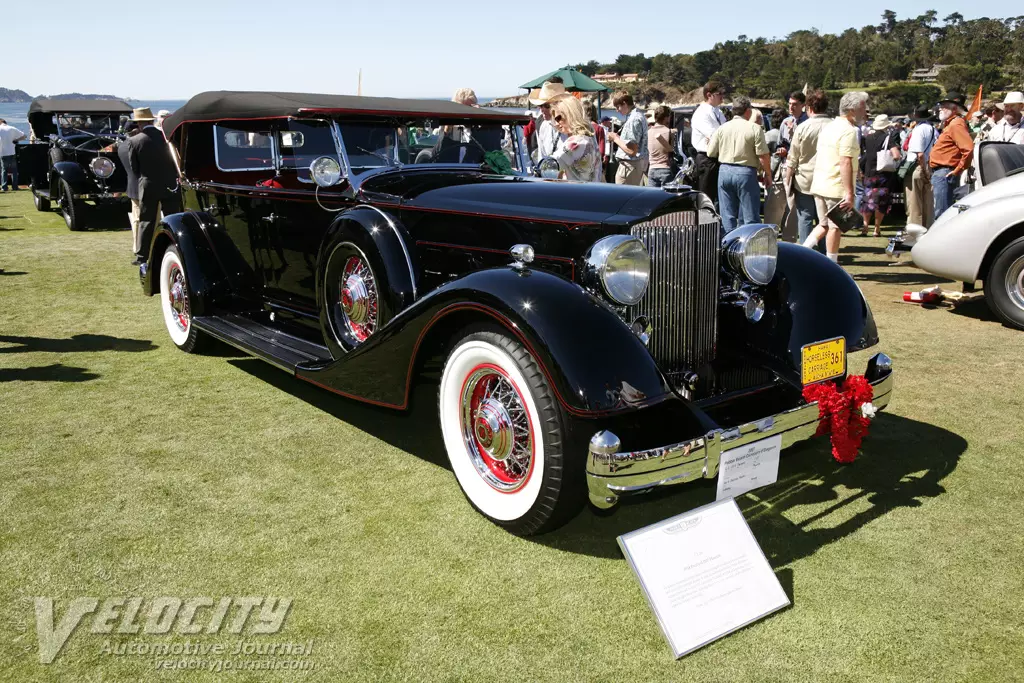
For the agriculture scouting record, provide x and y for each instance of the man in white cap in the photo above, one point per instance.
(160, 116)
(1009, 129)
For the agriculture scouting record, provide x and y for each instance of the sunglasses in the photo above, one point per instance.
(559, 118)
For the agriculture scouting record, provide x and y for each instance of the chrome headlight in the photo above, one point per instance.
(325, 171)
(101, 167)
(751, 251)
(622, 266)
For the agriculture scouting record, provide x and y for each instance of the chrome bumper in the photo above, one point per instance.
(611, 474)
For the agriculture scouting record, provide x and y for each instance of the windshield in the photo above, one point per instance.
(87, 124)
(391, 144)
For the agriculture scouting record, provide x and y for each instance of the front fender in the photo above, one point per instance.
(207, 281)
(811, 299)
(75, 176)
(955, 247)
(593, 361)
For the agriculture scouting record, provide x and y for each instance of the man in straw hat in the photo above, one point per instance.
(542, 133)
(1009, 129)
(151, 162)
(952, 152)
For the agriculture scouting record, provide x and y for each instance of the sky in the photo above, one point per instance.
(172, 50)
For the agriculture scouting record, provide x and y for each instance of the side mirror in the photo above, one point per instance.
(548, 168)
(325, 171)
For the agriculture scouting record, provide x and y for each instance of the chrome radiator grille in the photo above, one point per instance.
(682, 298)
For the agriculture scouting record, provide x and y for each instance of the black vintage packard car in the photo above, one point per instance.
(72, 158)
(593, 340)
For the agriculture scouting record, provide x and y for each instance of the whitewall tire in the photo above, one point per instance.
(175, 302)
(505, 435)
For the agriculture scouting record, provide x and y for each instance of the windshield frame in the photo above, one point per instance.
(522, 159)
(114, 118)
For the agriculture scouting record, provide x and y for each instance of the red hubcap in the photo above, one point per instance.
(497, 428)
(358, 298)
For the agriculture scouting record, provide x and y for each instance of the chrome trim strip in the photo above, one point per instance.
(405, 249)
(611, 475)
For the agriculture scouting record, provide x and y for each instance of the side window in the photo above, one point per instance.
(243, 150)
(300, 142)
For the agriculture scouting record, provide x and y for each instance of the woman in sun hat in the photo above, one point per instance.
(878, 184)
(541, 134)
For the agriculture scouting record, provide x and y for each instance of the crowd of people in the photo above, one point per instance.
(837, 174)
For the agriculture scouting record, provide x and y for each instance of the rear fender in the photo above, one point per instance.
(593, 361)
(206, 279)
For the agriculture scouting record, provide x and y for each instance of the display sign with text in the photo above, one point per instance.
(703, 574)
(749, 467)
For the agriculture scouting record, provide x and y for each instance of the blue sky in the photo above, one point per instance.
(168, 50)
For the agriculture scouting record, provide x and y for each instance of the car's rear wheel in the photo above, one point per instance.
(175, 302)
(73, 210)
(42, 203)
(505, 435)
(1004, 286)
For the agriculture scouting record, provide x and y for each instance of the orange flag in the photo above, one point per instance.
(975, 105)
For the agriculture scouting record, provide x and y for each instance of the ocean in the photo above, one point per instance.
(17, 114)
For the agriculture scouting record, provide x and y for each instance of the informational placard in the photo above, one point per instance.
(749, 467)
(703, 575)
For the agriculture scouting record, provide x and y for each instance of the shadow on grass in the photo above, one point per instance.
(415, 431)
(903, 462)
(10, 229)
(47, 373)
(80, 343)
(901, 278)
(976, 307)
(12, 272)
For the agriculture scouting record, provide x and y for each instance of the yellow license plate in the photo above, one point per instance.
(823, 360)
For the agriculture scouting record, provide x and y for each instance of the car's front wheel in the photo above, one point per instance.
(506, 435)
(73, 210)
(175, 302)
(42, 203)
(1004, 286)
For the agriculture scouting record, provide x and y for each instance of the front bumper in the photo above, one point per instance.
(612, 475)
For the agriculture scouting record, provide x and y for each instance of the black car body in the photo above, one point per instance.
(409, 257)
(71, 159)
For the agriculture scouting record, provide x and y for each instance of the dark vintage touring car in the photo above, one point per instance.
(72, 159)
(594, 340)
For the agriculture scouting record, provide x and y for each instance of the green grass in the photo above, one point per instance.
(128, 468)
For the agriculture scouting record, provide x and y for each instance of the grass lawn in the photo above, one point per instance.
(128, 468)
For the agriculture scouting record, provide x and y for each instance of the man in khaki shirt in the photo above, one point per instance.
(803, 151)
(741, 149)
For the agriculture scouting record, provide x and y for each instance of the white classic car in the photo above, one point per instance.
(981, 237)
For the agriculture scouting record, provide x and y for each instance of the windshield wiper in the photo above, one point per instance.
(388, 160)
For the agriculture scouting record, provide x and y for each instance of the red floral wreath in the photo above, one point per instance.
(839, 413)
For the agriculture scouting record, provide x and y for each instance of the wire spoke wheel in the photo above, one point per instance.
(497, 428)
(359, 300)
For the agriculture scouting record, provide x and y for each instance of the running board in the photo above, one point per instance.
(267, 343)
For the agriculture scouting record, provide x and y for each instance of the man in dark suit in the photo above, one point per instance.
(151, 162)
(124, 154)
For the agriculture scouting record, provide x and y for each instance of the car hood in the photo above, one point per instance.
(466, 191)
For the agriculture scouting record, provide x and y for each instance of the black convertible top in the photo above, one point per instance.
(226, 104)
(44, 105)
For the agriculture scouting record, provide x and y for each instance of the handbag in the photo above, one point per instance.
(884, 161)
